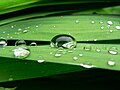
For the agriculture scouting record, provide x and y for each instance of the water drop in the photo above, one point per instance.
(117, 27)
(19, 29)
(57, 54)
(80, 55)
(10, 79)
(3, 31)
(54, 26)
(98, 50)
(3, 42)
(101, 22)
(95, 40)
(51, 53)
(113, 51)
(33, 44)
(25, 31)
(108, 26)
(64, 41)
(87, 65)
(20, 43)
(77, 21)
(92, 22)
(21, 52)
(102, 27)
(111, 62)
(75, 58)
(12, 26)
(87, 48)
(36, 26)
(111, 30)
(40, 61)
(109, 22)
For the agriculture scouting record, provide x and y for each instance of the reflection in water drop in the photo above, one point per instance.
(33, 44)
(98, 50)
(113, 51)
(87, 65)
(111, 62)
(3, 42)
(40, 61)
(12, 26)
(57, 54)
(20, 43)
(64, 41)
(111, 30)
(102, 27)
(101, 22)
(36, 26)
(21, 52)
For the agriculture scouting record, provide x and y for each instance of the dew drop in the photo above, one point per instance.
(101, 22)
(77, 21)
(40, 61)
(10, 79)
(21, 52)
(64, 41)
(92, 22)
(4, 32)
(3, 42)
(80, 55)
(98, 50)
(20, 43)
(111, 63)
(75, 58)
(95, 40)
(110, 30)
(117, 27)
(12, 26)
(102, 27)
(113, 51)
(33, 44)
(108, 26)
(19, 29)
(109, 22)
(87, 65)
(57, 54)
(25, 31)
(36, 26)
(87, 48)
(51, 53)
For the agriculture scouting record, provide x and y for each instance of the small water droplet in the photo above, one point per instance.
(54, 26)
(4, 32)
(87, 48)
(117, 27)
(12, 26)
(75, 58)
(98, 50)
(111, 30)
(51, 53)
(95, 40)
(113, 51)
(77, 21)
(57, 54)
(87, 65)
(111, 62)
(80, 55)
(19, 29)
(25, 31)
(109, 22)
(40, 61)
(33, 44)
(3, 42)
(92, 22)
(36, 26)
(70, 51)
(64, 41)
(21, 52)
(10, 79)
(108, 26)
(101, 22)
(20, 43)
(102, 27)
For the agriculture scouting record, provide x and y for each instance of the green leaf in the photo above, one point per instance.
(97, 47)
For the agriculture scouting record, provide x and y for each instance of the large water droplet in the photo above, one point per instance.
(87, 65)
(111, 62)
(21, 52)
(20, 43)
(64, 41)
(113, 51)
(33, 44)
(3, 42)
